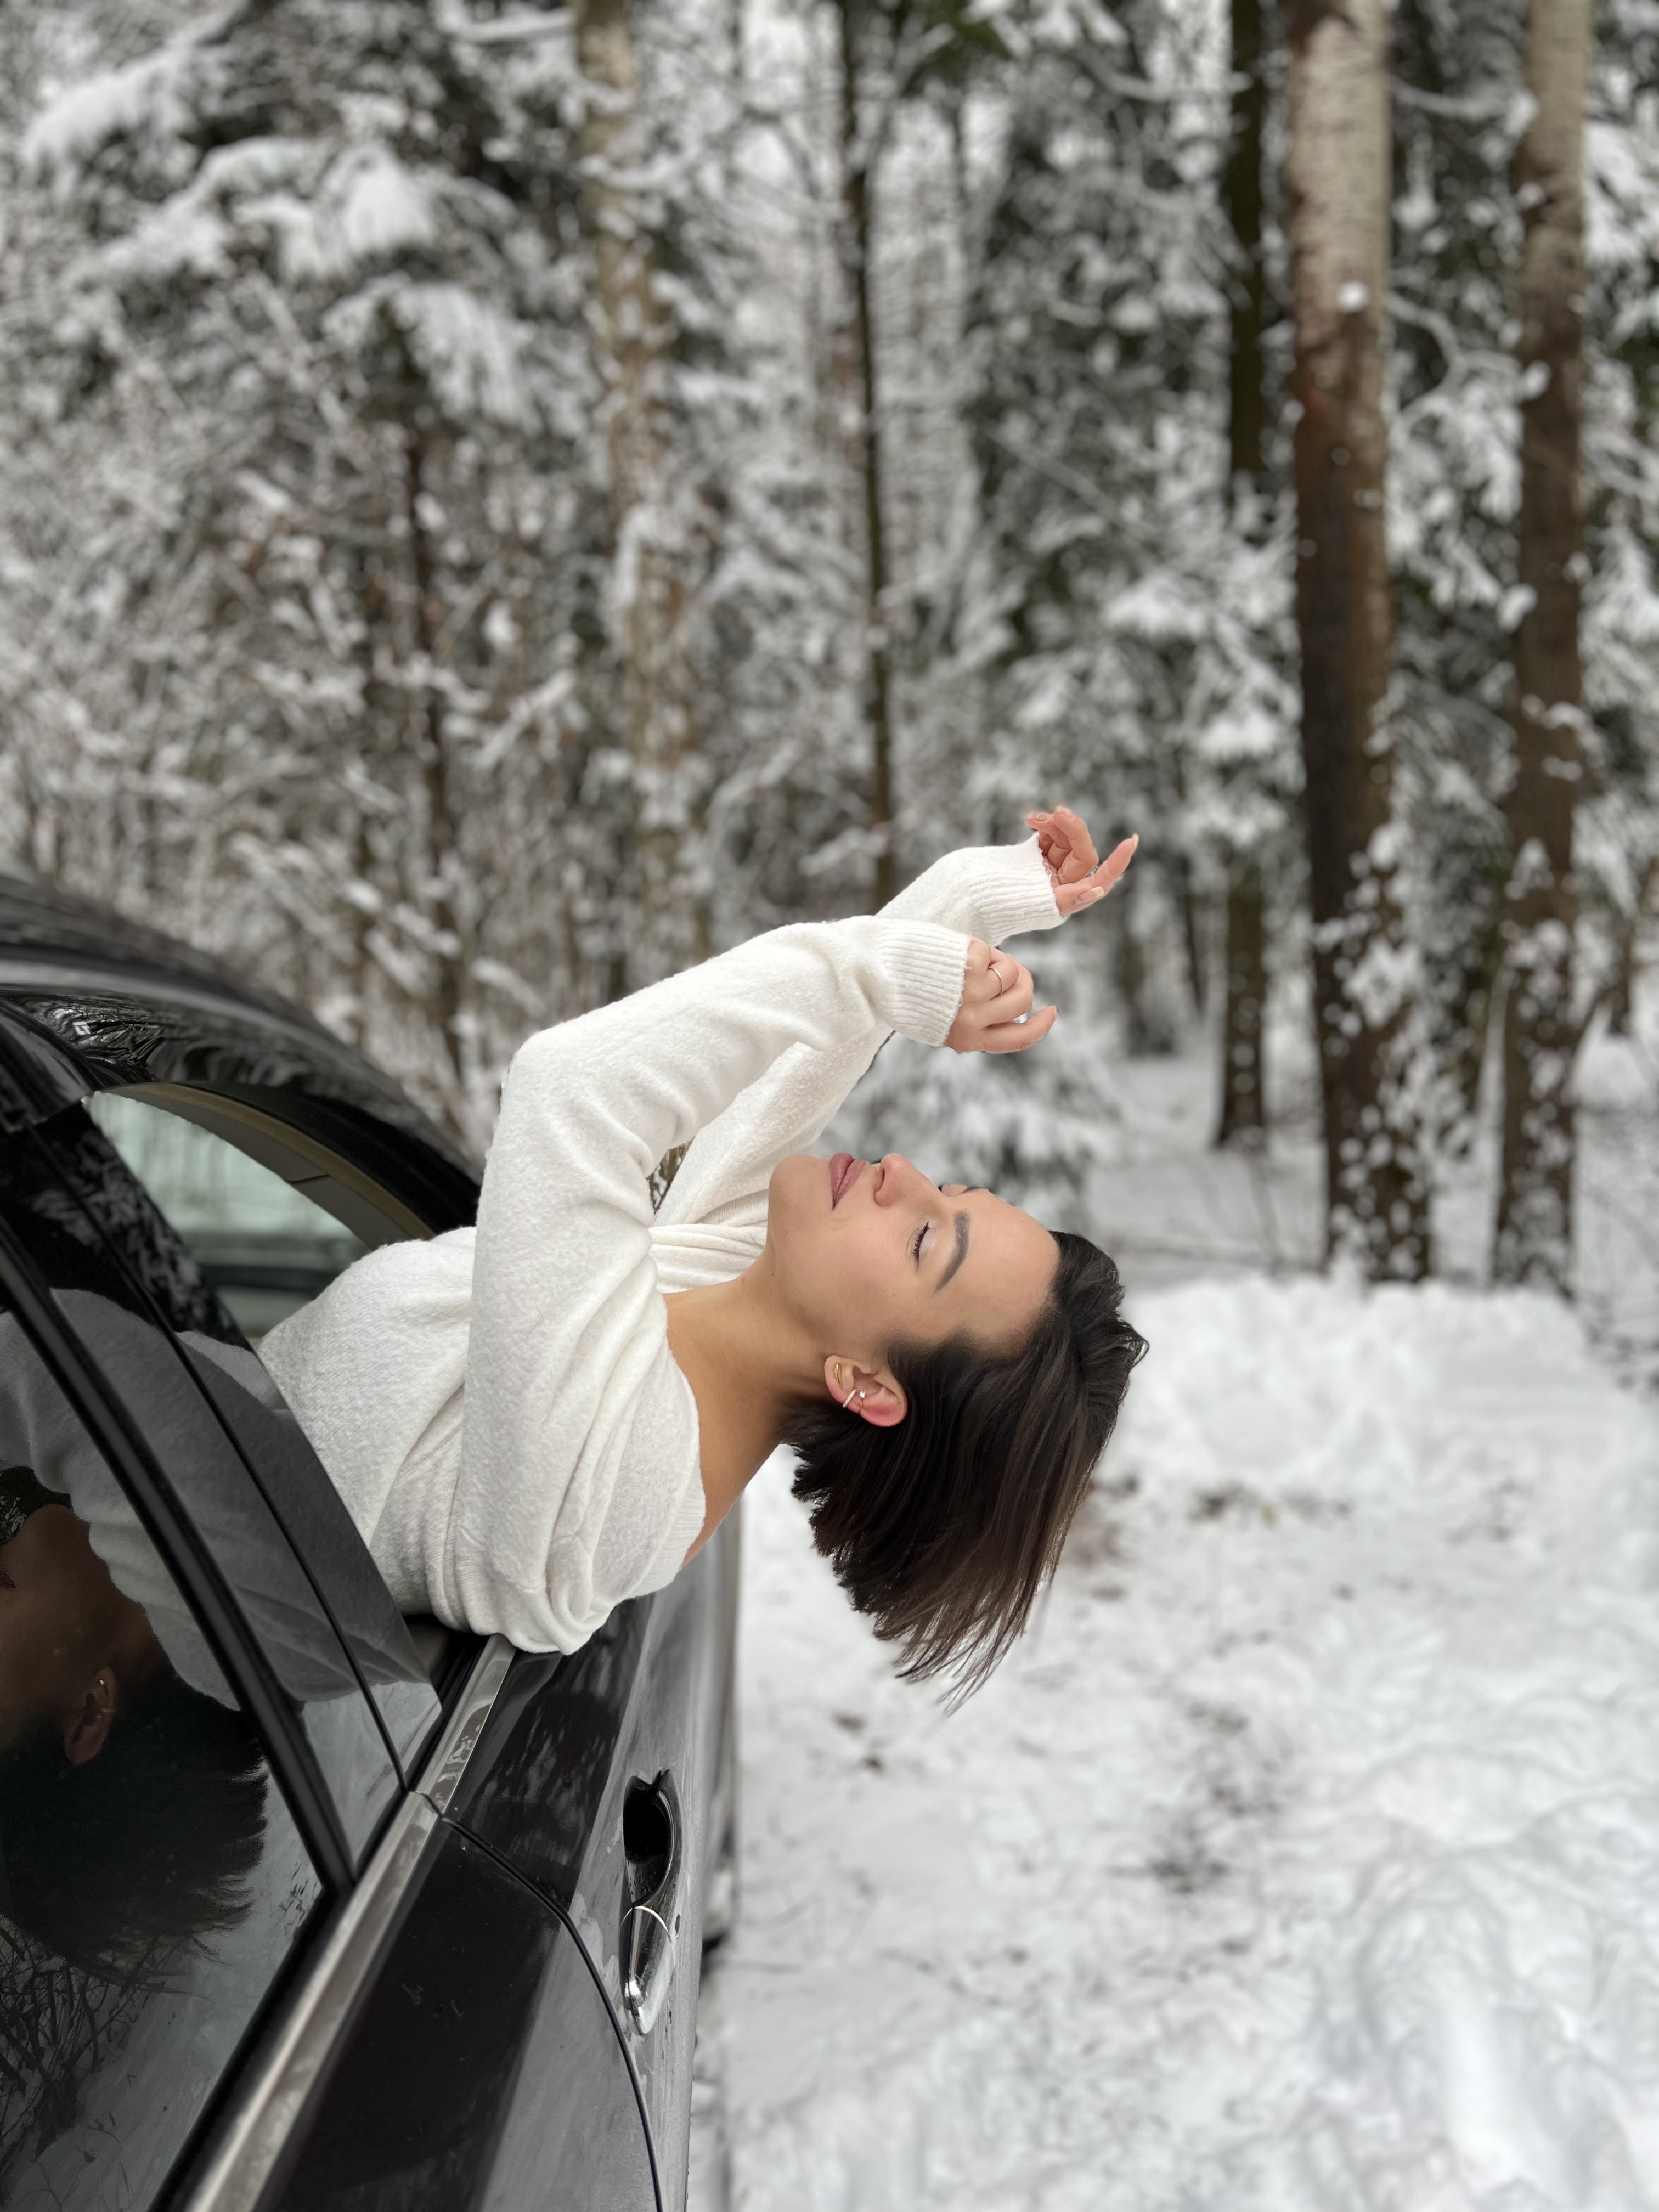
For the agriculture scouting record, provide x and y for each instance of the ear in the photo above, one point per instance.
(874, 1397)
(87, 1730)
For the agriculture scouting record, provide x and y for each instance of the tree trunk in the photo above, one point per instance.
(650, 612)
(1248, 301)
(1627, 936)
(1534, 1203)
(1243, 1117)
(445, 998)
(1376, 1208)
(1245, 976)
(857, 226)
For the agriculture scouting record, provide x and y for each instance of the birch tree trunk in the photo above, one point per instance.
(1534, 1204)
(1365, 1003)
(632, 336)
(857, 251)
(1244, 984)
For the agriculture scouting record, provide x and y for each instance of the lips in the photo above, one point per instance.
(844, 1172)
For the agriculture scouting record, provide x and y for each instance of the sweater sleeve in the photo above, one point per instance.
(569, 1335)
(989, 891)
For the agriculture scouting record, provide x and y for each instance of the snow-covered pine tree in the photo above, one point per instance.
(1616, 836)
(1142, 638)
(1451, 497)
(891, 54)
(1454, 492)
(331, 301)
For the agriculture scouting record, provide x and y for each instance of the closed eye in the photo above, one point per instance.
(916, 1243)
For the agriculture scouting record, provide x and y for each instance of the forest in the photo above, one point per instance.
(501, 502)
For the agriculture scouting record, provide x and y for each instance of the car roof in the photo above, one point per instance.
(54, 944)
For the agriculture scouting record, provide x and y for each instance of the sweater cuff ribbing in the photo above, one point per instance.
(1018, 895)
(925, 966)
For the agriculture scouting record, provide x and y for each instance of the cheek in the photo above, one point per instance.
(868, 1276)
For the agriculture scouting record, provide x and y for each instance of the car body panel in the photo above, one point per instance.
(648, 1695)
(482, 2069)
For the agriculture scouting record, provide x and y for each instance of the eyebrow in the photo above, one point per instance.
(958, 1255)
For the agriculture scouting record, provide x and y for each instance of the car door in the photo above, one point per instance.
(597, 1777)
(506, 2059)
(145, 1929)
(605, 1749)
(478, 2066)
(169, 1840)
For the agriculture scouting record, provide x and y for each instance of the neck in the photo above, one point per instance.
(747, 1366)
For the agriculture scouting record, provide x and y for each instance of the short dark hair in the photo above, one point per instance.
(945, 1528)
(121, 1865)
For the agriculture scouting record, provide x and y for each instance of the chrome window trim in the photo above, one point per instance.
(208, 1110)
(446, 1762)
(272, 2100)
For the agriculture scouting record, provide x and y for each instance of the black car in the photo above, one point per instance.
(303, 1905)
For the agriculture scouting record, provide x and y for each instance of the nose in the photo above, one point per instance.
(897, 1175)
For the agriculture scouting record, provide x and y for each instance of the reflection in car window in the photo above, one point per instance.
(245, 1229)
(151, 1879)
(263, 1246)
(72, 1203)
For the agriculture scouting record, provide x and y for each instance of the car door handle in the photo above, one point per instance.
(654, 1846)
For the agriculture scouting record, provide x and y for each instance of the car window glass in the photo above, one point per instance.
(152, 1881)
(70, 1198)
(244, 1228)
(265, 1248)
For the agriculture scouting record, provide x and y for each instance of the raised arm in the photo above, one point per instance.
(989, 891)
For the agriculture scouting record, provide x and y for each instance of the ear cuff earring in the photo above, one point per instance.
(848, 1398)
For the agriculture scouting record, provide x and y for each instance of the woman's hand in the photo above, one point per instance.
(1079, 877)
(996, 992)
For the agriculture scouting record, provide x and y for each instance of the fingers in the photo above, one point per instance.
(1063, 839)
(1116, 862)
(1004, 984)
(1018, 1037)
(1082, 858)
(1016, 996)
(1072, 898)
(996, 997)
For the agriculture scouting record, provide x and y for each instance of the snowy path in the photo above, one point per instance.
(1306, 1856)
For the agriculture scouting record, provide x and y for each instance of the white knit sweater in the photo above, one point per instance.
(499, 1407)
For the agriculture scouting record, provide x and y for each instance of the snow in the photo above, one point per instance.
(1306, 1855)
(371, 209)
(149, 96)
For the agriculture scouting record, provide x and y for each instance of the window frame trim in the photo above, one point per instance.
(202, 1108)
(38, 1138)
(295, 1767)
(265, 2109)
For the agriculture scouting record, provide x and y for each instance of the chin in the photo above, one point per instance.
(798, 1216)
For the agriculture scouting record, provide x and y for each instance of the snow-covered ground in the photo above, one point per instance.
(1306, 1855)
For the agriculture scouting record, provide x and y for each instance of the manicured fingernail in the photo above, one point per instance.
(1097, 895)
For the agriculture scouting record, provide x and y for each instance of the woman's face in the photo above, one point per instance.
(865, 1256)
(61, 1618)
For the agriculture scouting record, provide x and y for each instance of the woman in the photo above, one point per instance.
(535, 1420)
